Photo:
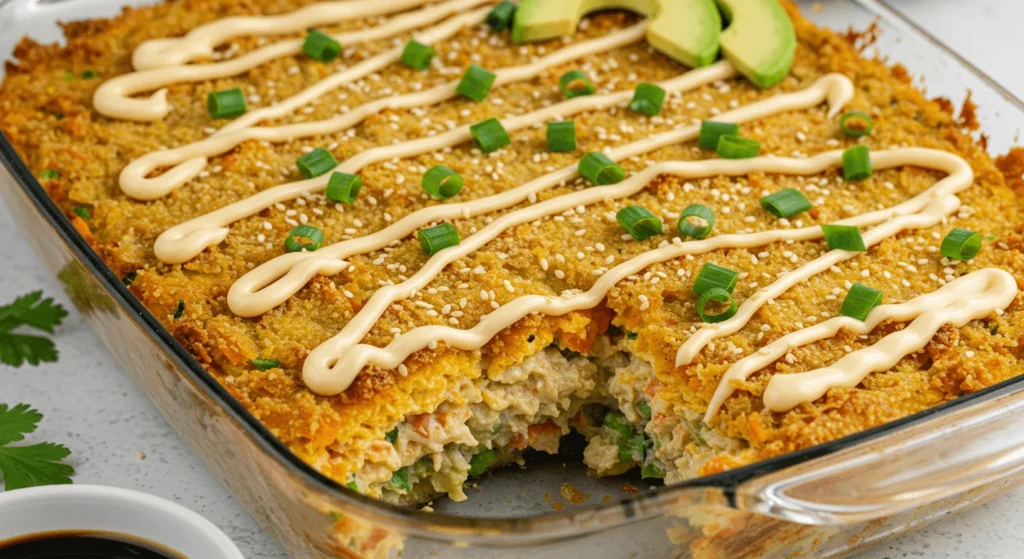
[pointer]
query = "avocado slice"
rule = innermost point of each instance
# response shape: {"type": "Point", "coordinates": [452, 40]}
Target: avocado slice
{"type": "Point", "coordinates": [685, 30]}
{"type": "Point", "coordinates": [760, 40]}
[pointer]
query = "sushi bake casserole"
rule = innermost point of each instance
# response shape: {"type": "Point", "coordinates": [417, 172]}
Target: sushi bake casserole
{"type": "Point", "coordinates": [417, 239]}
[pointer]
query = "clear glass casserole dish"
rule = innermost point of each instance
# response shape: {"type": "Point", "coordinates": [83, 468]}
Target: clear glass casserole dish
{"type": "Point", "coordinates": [824, 501]}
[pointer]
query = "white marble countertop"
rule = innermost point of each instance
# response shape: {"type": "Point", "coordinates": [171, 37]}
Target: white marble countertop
{"type": "Point", "coordinates": [110, 425]}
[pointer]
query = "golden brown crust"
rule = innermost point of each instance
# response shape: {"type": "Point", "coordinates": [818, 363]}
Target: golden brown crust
{"type": "Point", "coordinates": [51, 123]}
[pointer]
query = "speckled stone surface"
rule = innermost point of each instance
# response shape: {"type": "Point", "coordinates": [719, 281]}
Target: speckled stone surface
{"type": "Point", "coordinates": [118, 438]}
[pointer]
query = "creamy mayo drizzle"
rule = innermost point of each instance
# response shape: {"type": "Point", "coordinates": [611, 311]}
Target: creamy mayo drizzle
{"type": "Point", "coordinates": [926, 209]}
{"type": "Point", "coordinates": [331, 367]}
{"type": "Point", "coordinates": [113, 97]}
{"type": "Point", "coordinates": [971, 297]}
{"type": "Point", "coordinates": [200, 42]}
{"type": "Point", "coordinates": [273, 282]}
{"type": "Point", "coordinates": [186, 240]}
{"type": "Point", "coordinates": [135, 183]}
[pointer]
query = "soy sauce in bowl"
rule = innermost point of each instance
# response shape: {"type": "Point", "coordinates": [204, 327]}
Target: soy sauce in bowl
{"type": "Point", "coordinates": [84, 545]}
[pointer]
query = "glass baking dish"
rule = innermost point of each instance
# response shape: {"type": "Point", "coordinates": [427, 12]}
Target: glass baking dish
{"type": "Point", "coordinates": [825, 501]}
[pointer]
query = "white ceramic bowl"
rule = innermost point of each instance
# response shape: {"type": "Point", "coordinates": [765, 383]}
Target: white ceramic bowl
{"type": "Point", "coordinates": [111, 509]}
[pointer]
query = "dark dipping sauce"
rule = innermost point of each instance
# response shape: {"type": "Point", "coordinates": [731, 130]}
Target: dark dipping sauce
{"type": "Point", "coordinates": [78, 544]}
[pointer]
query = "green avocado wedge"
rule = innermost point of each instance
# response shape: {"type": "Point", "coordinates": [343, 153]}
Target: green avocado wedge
{"type": "Point", "coordinates": [688, 31]}
{"type": "Point", "coordinates": [760, 40]}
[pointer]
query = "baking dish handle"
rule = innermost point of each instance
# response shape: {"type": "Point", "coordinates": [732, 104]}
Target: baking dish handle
{"type": "Point", "coordinates": [942, 456]}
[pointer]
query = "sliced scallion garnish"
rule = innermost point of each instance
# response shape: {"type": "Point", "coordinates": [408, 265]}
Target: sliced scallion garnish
{"type": "Point", "coordinates": [575, 83]}
{"type": "Point", "coordinates": [856, 124]}
{"type": "Point", "coordinates": [476, 83]}
{"type": "Point", "coordinates": [961, 244]}
{"type": "Point", "coordinates": [712, 276]}
{"type": "Point", "coordinates": [225, 104]}
{"type": "Point", "coordinates": [786, 203]}
{"type": "Point", "coordinates": [437, 238]}
{"type": "Point", "coordinates": [314, 239]}
{"type": "Point", "coordinates": [316, 163]}
{"type": "Point", "coordinates": [82, 212]}
{"type": "Point", "coordinates": [561, 136]}
{"type": "Point", "coordinates": [490, 135]}
{"type": "Point", "coordinates": [644, 409]}
{"type": "Point", "coordinates": [859, 301]}
{"type": "Point", "coordinates": [49, 174]}
{"type": "Point", "coordinates": [129, 278]}
{"type": "Point", "coordinates": [265, 364]}
{"type": "Point", "coordinates": [599, 169]}
{"type": "Point", "coordinates": [343, 187]}
{"type": "Point", "coordinates": [843, 237]}
{"type": "Point", "coordinates": [639, 222]}
{"type": "Point", "coordinates": [689, 229]}
{"type": "Point", "coordinates": [856, 163]}
{"type": "Point", "coordinates": [441, 182]}
{"type": "Point", "coordinates": [711, 130]}
{"type": "Point", "coordinates": [391, 436]}
{"type": "Point", "coordinates": [717, 295]}
{"type": "Point", "coordinates": [647, 99]}
{"type": "Point", "coordinates": [400, 481]}
{"type": "Point", "coordinates": [178, 312]}
{"type": "Point", "coordinates": [731, 146]}
{"type": "Point", "coordinates": [90, 75]}
{"type": "Point", "coordinates": [321, 46]}
{"type": "Point", "coordinates": [501, 16]}
{"type": "Point", "coordinates": [416, 55]}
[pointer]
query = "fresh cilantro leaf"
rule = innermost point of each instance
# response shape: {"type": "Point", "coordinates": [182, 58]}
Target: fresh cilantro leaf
{"type": "Point", "coordinates": [30, 465]}
{"type": "Point", "coordinates": [17, 422]}
{"type": "Point", "coordinates": [31, 311]}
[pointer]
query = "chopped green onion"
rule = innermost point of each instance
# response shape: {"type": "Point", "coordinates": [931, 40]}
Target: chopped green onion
{"type": "Point", "coordinates": [417, 56]}
{"type": "Point", "coordinates": [351, 486]}
{"type": "Point", "coordinates": [476, 83]}
{"type": "Point", "coordinates": [316, 163]}
{"type": "Point", "coordinates": [961, 244]}
{"type": "Point", "coordinates": [490, 135]}
{"type": "Point", "coordinates": [82, 212]}
{"type": "Point", "coordinates": [599, 169]}
{"type": "Point", "coordinates": [343, 187]}
{"type": "Point", "coordinates": [576, 84]}
{"type": "Point", "coordinates": [639, 222]}
{"type": "Point", "coordinates": [647, 99]}
{"type": "Point", "coordinates": [391, 436]}
{"type": "Point", "coordinates": [441, 182]}
{"type": "Point", "coordinates": [320, 46]}
{"type": "Point", "coordinates": [786, 203]}
{"type": "Point", "coordinates": [689, 229]}
{"type": "Point", "coordinates": [735, 147]}
{"type": "Point", "coordinates": [859, 301]}
{"type": "Point", "coordinates": [437, 238]}
{"type": "Point", "coordinates": [292, 242]}
{"type": "Point", "coordinates": [632, 335]}
{"type": "Point", "coordinates": [90, 75]}
{"type": "Point", "coordinates": [644, 409]}
{"type": "Point", "coordinates": [69, 76]}
{"type": "Point", "coordinates": [49, 174]}
{"type": "Point", "coordinates": [562, 136]}
{"type": "Point", "coordinates": [711, 131]}
{"type": "Point", "coordinates": [843, 237]}
{"type": "Point", "coordinates": [718, 295]}
{"type": "Point", "coordinates": [180, 310]}
{"type": "Point", "coordinates": [856, 163]}
{"type": "Point", "coordinates": [617, 422]}
{"type": "Point", "coordinates": [712, 276]}
{"type": "Point", "coordinates": [501, 16]}
{"type": "Point", "coordinates": [861, 124]}
{"type": "Point", "coordinates": [481, 461]}
{"type": "Point", "coordinates": [225, 104]}
{"type": "Point", "coordinates": [400, 480]}
{"type": "Point", "coordinates": [265, 364]}
{"type": "Point", "coordinates": [651, 470]}
{"type": "Point", "coordinates": [129, 278]}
